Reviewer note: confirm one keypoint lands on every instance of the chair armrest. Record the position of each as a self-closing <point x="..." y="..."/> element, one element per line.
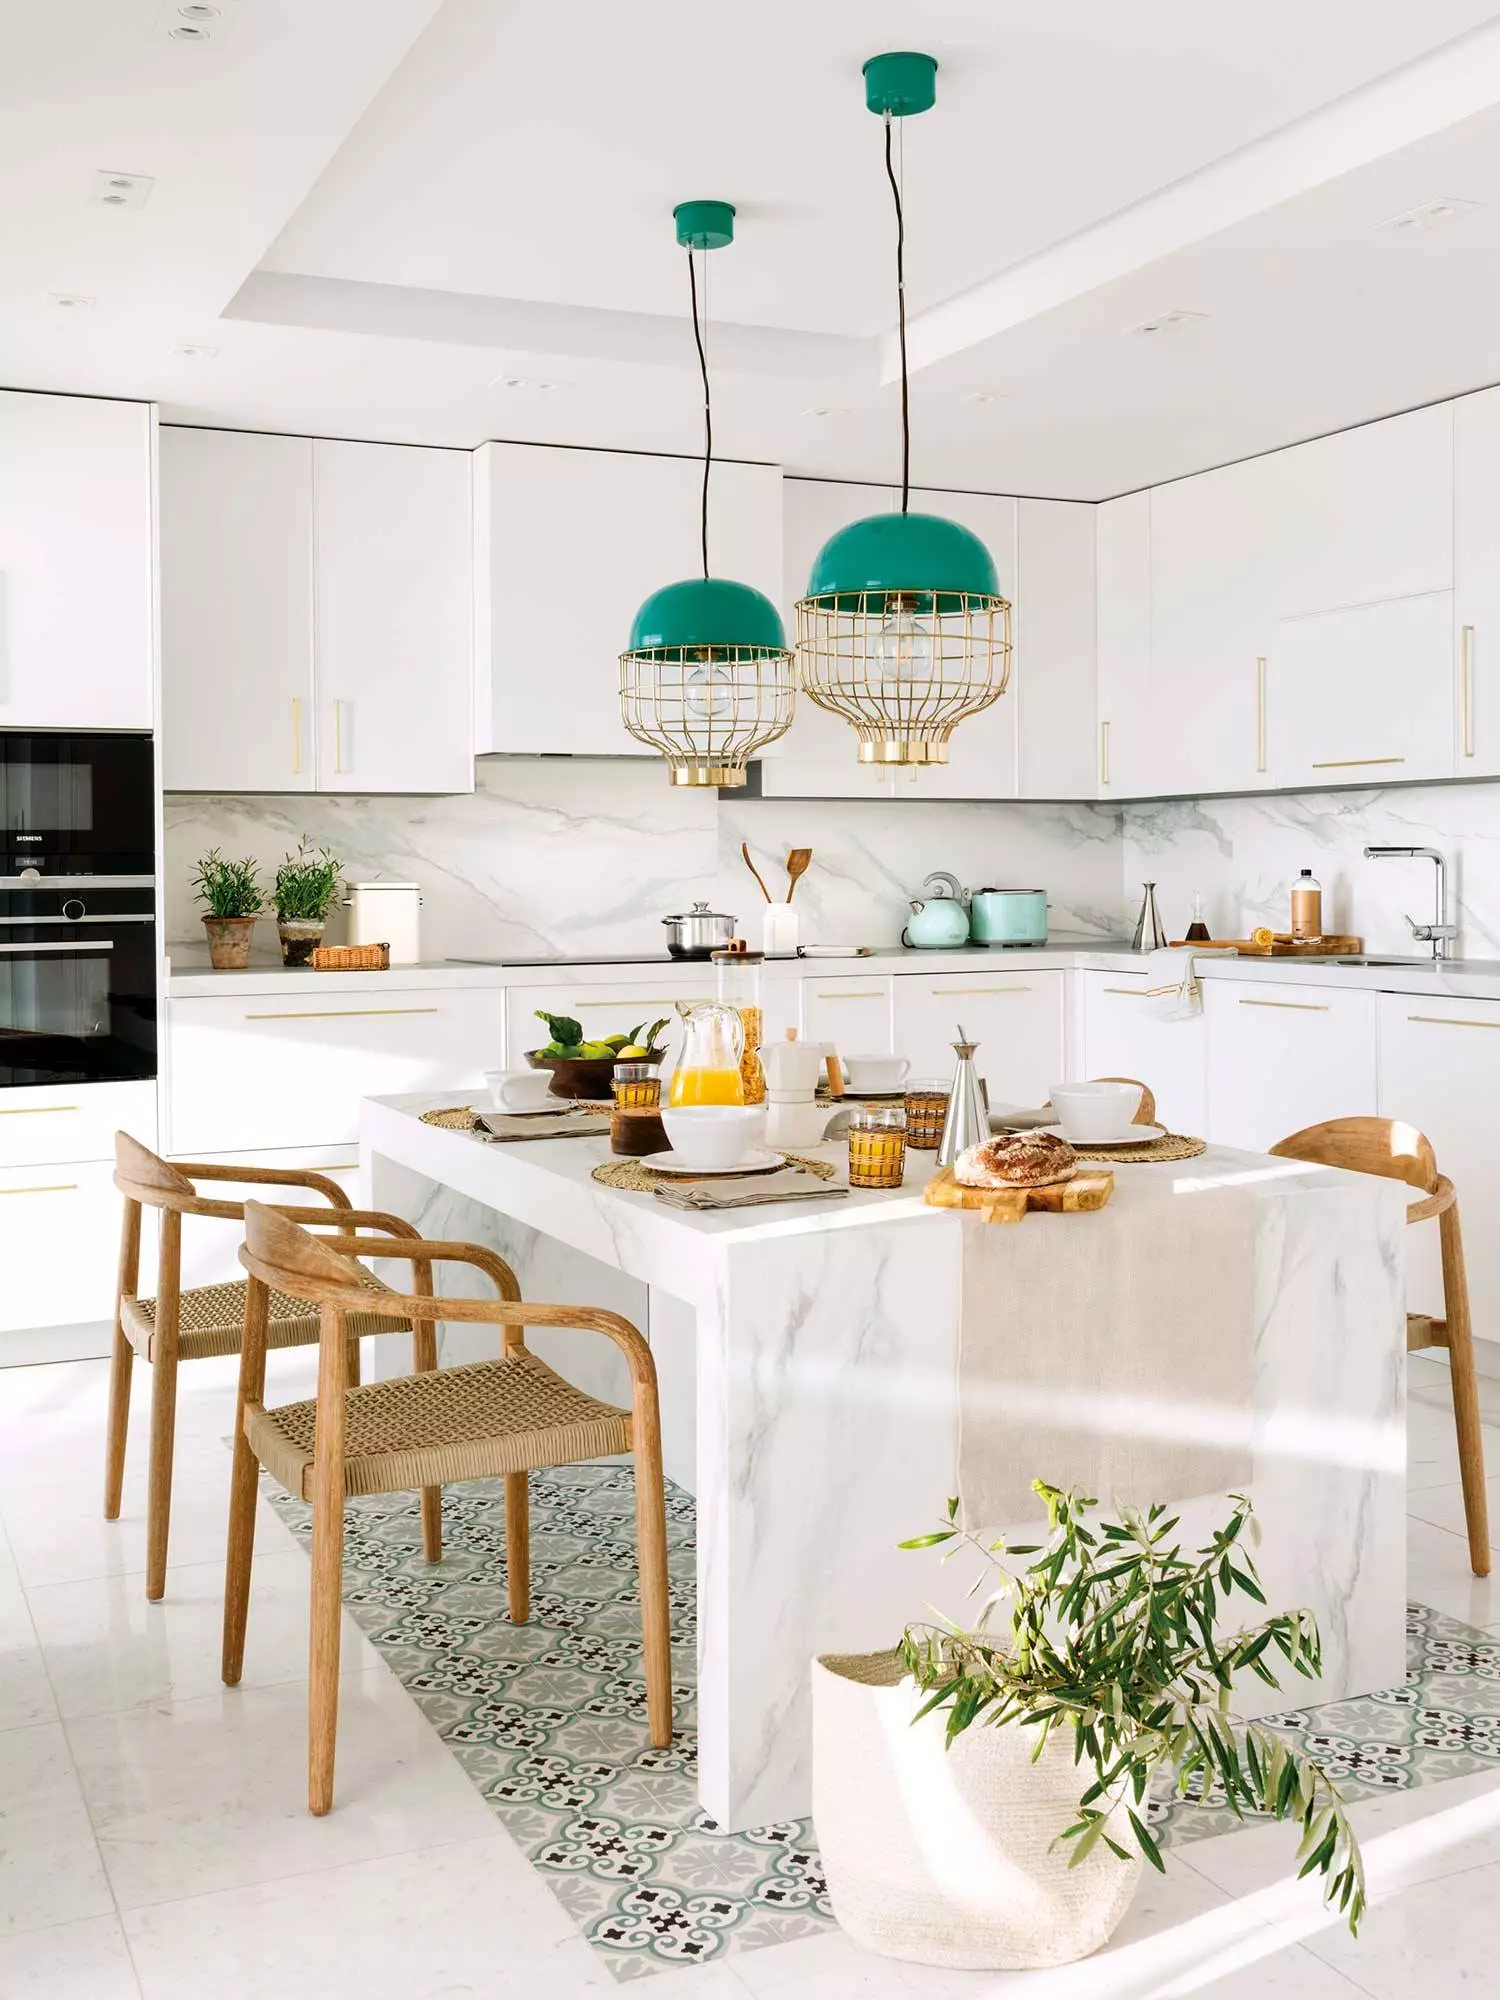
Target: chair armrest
<point x="422" y="1252"/>
<point x="303" y="1177"/>
<point x="1442" y="1197"/>
<point x="348" y="1219"/>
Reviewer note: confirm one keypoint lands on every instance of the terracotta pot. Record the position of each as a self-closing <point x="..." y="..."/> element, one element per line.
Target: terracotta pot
<point x="949" y="1857"/>
<point x="229" y="940"/>
<point x="589" y="1078"/>
<point x="300" y="938"/>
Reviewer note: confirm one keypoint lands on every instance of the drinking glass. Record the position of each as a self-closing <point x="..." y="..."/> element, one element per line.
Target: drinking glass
<point x="926" y="1109"/>
<point x="637" y="1086"/>
<point x="877" y="1147"/>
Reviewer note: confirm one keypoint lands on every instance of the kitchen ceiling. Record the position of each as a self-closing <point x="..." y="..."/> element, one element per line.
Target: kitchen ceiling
<point x="441" y="223"/>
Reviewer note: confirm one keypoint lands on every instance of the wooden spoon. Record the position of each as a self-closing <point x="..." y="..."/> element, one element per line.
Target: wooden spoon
<point x="745" y="850"/>
<point x="797" y="864"/>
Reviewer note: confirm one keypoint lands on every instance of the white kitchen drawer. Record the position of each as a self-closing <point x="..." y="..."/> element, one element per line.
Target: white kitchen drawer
<point x="1122" y="1036"/>
<point x="1015" y="1015"/>
<point x="853" y="1011"/>
<point x="73" y="1121"/>
<point x="278" y="1070"/>
<point x="1284" y="1057"/>
<point x="59" y="1245"/>
<point x="607" y="1006"/>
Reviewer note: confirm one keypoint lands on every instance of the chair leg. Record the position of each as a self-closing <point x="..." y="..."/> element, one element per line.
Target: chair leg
<point x="159" y="1478"/>
<point x="242" y="1484"/>
<point x="651" y="1555"/>
<point x="121" y="1366"/>
<point x="1465" y="1390"/>
<point x="518" y="1547"/>
<point x="327" y="1572"/>
<point x="424" y="1359"/>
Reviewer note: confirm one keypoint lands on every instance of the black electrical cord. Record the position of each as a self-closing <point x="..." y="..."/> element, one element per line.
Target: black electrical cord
<point x="890" y="173"/>
<point x="708" y="414"/>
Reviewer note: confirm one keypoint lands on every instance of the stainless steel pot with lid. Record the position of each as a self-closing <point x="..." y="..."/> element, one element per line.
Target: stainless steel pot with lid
<point x="698" y="932"/>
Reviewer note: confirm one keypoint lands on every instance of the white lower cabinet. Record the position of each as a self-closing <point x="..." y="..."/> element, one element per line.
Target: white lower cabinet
<point x="607" y="1007"/>
<point x="1124" y="1036"/>
<point x="1283" y="1057"/>
<point x="1440" y="1071"/>
<point x="851" y="1010"/>
<point x="78" y="1122"/>
<point x="1014" y="1015"/>
<point x="59" y="1247"/>
<point x="279" y="1070"/>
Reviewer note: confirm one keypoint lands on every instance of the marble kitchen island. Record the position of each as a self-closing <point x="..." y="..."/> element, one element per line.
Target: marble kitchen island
<point x="809" y="1361"/>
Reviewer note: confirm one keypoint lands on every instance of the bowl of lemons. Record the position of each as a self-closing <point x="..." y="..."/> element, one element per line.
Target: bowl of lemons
<point x="584" y="1069"/>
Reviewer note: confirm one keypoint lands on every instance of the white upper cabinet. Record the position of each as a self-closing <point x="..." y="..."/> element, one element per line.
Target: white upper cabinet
<point x="77" y="623"/>
<point x="1054" y="684"/>
<point x="316" y="615"/>
<point x="1124" y="739"/>
<point x="568" y="545"/>
<point x="237" y="612"/>
<point x="394" y="625"/>
<point x="1476" y="580"/>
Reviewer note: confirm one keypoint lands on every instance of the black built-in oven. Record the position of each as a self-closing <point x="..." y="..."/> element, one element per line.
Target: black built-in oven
<point x="78" y="950"/>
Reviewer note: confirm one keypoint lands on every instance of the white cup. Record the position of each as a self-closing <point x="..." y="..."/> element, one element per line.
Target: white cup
<point x="875" y="1073"/>
<point x="714" y="1135"/>
<point x="519" y="1089"/>
<point x="1095" y="1113"/>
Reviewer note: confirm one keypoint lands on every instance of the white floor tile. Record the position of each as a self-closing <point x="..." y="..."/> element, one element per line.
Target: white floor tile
<point x="25" y="1691"/>
<point x="80" y="1961"/>
<point x="1437" y="1939"/>
<point x="50" y="1870"/>
<point x="1438" y="1574"/>
<point x="192" y="1796"/>
<point x="106" y="1648"/>
<point x="61" y="1545"/>
<point x="468" y="1918"/>
<point x="1443" y="1506"/>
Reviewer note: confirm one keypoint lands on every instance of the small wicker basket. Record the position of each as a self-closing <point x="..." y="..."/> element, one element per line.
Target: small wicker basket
<point x="352" y="958"/>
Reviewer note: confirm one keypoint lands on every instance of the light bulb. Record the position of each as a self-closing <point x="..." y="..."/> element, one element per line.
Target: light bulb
<point x="708" y="693"/>
<point x="902" y="648"/>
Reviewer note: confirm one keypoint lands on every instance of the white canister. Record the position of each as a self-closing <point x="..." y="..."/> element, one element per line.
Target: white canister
<point x="779" y="929"/>
<point x="386" y="913"/>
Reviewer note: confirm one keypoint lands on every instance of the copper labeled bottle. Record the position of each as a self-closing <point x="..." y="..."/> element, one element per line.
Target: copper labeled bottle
<point x="1307" y="906"/>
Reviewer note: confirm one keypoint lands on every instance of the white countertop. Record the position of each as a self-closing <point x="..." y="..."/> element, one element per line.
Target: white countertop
<point x="1474" y="979"/>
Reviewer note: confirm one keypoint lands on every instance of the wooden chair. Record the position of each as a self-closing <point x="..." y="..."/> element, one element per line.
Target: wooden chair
<point x="180" y="1325"/>
<point x="486" y="1420"/>
<point x="1399" y="1152"/>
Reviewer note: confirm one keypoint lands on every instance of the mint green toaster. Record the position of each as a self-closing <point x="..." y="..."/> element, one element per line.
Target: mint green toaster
<point x="1008" y="916"/>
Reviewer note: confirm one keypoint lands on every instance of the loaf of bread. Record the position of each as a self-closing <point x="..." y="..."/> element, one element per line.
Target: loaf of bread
<point x="1017" y="1159"/>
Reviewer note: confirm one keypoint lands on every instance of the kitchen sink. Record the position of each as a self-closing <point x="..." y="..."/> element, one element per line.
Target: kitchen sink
<point x="1366" y="958"/>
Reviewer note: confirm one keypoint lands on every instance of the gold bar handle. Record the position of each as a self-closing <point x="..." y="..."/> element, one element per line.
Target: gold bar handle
<point x="1353" y="763"/>
<point x="1104" y="753"/>
<point x="957" y="992"/>
<point x="1260" y="712"/>
<point x="296" y="737"/>
<point x="338" y="739"/>
<point x="1466" y="686"/>
<point x="1451" y="1021"/>
<point x="865" y="995"/>
<point x="342" y="1013"/>
<point x="1292" y="1006"/>
<point x="638" y="1000"/>
<point x="35" y="1110"/>
<point x="55" y="1187"/>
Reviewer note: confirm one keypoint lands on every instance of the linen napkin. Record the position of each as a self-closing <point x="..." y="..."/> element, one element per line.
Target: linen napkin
<point x="566" y="1125"/>
<point x="708" y="1196"/>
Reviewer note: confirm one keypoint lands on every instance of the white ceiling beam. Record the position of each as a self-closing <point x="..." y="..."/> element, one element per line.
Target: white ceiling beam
<point x="1425" y="97"/>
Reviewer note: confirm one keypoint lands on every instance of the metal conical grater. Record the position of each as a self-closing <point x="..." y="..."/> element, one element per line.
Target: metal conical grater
<point x="967" y="1121"/>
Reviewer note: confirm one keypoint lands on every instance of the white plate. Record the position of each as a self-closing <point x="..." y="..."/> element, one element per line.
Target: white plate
<point x="760" y="1160"/>
<point x="1135" y="1135"/>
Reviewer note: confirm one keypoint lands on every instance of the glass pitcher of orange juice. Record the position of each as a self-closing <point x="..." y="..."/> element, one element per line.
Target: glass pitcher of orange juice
<point x="708" y="1067"/>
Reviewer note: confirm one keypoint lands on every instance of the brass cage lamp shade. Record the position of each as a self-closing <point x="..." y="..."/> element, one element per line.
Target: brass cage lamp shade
<point x="708" y="710"/>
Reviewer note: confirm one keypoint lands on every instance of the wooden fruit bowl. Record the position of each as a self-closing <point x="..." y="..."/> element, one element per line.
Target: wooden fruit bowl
<point x="589" y="1078"/>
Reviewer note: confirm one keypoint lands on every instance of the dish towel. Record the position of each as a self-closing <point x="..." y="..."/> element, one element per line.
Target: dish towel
<point x="1111" y="1351"/>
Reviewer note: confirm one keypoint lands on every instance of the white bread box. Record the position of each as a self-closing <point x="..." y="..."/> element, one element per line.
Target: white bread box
<point x="386" y="913"/>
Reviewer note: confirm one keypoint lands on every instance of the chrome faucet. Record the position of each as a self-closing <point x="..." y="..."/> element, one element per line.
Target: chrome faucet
<point x="1439" y="933"/>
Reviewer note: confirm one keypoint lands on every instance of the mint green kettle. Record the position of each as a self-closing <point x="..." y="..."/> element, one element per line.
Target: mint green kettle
<point x="941" y="923"/>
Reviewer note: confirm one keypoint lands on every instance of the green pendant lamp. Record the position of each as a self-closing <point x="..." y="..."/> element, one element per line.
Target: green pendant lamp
<point x="903" y="631"/>
<point x="707" y="678"/>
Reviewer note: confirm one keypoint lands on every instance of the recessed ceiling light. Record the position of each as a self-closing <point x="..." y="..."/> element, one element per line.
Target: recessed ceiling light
<point x="73" y="302"/>
<point x="1171" y="321"/>
<point x="190" y="353"/>
<point x="1427" y="216"/>
<point x="982" y="396"/>
<point x="826" y="410"/>
<point x="522" y="384"/>
<point x="196" y="21"/>
<point x="117" y="190"/>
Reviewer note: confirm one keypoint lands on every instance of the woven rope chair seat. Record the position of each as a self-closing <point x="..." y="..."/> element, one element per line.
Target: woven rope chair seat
<point x="212" y="1320"/>
<point x="474" y="1422"/>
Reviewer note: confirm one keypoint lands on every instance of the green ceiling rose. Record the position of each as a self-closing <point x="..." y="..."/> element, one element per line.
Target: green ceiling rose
<point x="729" y="621"/>
<point x="902" y="83"/>
<point x="704" y="225"/>
<point x="903" y="554"/>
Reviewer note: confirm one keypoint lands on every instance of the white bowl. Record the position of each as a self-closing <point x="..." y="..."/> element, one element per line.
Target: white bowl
<point x="1095" y="1113"/>
<point x="714" y="1135"/>
<point x="877" y="1073"/>
<point x="519" y="1089"/>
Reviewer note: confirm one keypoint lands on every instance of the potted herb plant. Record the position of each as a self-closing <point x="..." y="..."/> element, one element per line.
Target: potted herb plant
<point x="231" y="889"/>
<point x="981" y="1796"/>
<point x="306" y="883"/>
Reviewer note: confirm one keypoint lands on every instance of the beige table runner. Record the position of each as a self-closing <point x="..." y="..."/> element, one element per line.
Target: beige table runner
<point x="1110" y="1351"/>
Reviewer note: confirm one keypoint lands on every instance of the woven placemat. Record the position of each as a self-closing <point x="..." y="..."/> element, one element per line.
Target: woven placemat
<point x="459" y="1119"/>
<point x="636" y="1177"/>
<point x="1169" y="1147"/>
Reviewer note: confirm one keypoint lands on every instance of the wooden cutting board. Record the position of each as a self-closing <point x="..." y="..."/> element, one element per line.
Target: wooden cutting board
<point x="1278" y="946"/>
<point x="1087" y="1190"/>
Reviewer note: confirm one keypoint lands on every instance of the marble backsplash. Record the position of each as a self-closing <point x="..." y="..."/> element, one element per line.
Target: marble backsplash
<point x="580" y="856"/>
<point x="1244" y="853"/>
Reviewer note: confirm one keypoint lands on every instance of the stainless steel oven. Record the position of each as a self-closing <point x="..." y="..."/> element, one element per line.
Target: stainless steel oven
<point x="78" y="951"/>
